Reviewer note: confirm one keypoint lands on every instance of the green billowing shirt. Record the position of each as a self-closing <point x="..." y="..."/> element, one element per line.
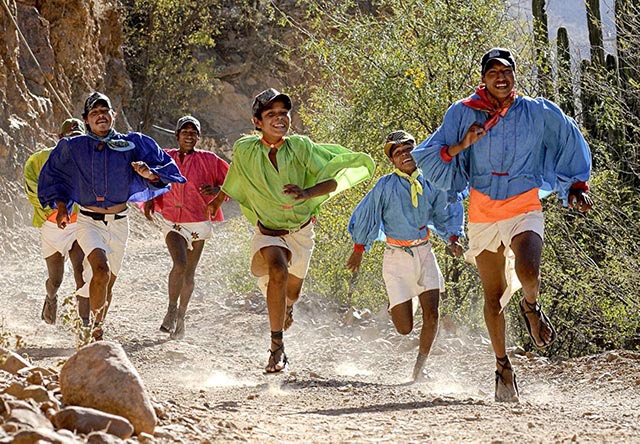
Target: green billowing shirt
<point x="31" y="173"/>
<point x="257" y="185"/>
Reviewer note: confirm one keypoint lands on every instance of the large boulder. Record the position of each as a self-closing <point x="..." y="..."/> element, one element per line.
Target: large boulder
<point x="86" y="420"/>
<point x="100" y="376"/>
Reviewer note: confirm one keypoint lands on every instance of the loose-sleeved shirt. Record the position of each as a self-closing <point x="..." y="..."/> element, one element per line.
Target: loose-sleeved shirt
<point x="254" y="182"/>
<point x="387" y="209"/>
<point x="77" y="171"/>
<point x="535" y="145"/>
<point x="185" y="203"/>
<point x="31" y="173"/>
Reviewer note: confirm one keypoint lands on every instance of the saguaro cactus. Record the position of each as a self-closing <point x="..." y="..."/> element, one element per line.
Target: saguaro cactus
<point x="541" y="39"/>
<point x="594" y="24"/>
<point x="586" y="97"/>
<point x="565" y="80"/>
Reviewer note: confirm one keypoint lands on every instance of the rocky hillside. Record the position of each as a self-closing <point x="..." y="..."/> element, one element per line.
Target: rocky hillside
<point x="78" y="44"/>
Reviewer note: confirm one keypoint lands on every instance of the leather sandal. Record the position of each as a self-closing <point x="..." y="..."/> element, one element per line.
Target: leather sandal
<point x="503" y="392"/>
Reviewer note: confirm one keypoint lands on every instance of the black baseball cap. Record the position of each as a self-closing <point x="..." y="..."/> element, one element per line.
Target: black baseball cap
<point x="266" y="98"/>
<point x="93" y="100"/>
<point x="500" y="54"/>
<point x="182" y="121"/>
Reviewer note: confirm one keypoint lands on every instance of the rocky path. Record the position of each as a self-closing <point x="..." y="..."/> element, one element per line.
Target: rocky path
<point x="349" y="376"/>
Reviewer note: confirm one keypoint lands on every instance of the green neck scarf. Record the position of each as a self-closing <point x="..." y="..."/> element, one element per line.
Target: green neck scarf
<point x="416" y="188"/>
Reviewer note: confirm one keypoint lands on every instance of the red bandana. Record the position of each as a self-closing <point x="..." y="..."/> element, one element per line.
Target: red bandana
<point x="490" y="105"/>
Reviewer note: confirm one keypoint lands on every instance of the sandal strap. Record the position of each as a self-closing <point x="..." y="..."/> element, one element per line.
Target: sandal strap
<point x="505" y="364"/>
<point x="531" y="308"/>
<point x="279" y="344"/>
<point x="272" y="355"/>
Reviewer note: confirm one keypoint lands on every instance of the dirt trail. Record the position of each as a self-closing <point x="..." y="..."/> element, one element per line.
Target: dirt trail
<point x="349" y="377"/>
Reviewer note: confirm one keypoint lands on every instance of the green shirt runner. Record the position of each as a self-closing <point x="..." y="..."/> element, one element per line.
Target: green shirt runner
<point x="257" y="185"/>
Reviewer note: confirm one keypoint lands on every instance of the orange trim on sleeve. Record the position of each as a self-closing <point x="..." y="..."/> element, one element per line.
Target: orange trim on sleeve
<point x="484" y="210"/>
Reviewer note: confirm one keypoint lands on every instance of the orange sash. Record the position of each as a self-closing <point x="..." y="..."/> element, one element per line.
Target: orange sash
<point x="52" y="217"/>
<point x="484" y="210"/>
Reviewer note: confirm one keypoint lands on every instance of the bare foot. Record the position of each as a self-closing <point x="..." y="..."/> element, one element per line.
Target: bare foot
<point x="178" y="332"/>
<point x="169" y="321"/>
<point x="417" y="368"/>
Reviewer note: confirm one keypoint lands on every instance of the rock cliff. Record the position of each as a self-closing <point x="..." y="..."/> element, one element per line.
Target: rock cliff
<point x="78" y="45"/>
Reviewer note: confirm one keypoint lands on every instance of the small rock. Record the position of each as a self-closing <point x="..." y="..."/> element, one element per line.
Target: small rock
<point x="86" y="420"/>
<point x="606" y="375"/>
<point x="612" y="356"/>
<point x="38" y="393"/>
<point x="162" y="433"/>
<point x="10" y="427"/>
<point x="17" y="404"/>
<point x="102" y="438"/>
<point x="30" y="419"/>
<point x="15" y="389"/>
<point x="314" y="375"/>
<point x="39" y="436"/>
<point x="50" y="405"/>
<point x="531" y="355"/>
<point x="146" y="438"/>
<point x="12" y="362"/>
<point x="160" y="410"/>
<point x="66" y="433"/>
<point x="35" y="378"/>
<point x="43" y="371"/>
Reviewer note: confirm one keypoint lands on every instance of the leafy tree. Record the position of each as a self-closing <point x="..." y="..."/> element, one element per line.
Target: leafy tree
<point x="374" y="67"/>
<point x="166" y="44"/>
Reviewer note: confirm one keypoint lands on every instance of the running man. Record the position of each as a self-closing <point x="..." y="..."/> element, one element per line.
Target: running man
<point x="186" y="224"/>
<point x="56" y="244"/>
<point x="404" y="206"/>
<point x="281" y="182"/>
<point x="510" y="150"/>
<point x="102" y="171"/>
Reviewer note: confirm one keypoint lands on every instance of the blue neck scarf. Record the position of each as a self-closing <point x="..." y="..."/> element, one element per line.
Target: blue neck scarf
<point x="114" y="144"/>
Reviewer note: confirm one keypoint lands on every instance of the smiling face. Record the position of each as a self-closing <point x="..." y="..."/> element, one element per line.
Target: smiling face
<point x="274" y="122"/>
<point x="499" y="79"/>
<point x="100" y="119"/>
<point x="402" y="159"/>
<point x="188" y="137"/>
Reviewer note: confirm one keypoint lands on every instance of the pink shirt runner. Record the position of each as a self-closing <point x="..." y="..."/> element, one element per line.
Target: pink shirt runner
<point x="185" y="203"/>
